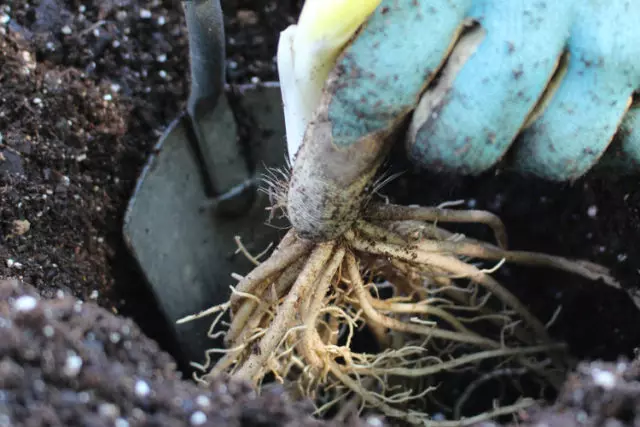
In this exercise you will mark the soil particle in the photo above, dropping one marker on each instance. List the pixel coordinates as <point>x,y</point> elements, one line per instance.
<point>68,363</point>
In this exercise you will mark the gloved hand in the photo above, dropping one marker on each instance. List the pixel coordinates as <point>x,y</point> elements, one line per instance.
<point>558,75</point>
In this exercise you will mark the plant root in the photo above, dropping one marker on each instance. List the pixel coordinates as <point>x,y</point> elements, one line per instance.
<point>419,291</point>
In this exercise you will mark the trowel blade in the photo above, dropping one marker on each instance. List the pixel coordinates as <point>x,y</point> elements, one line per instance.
<point>185,251</point>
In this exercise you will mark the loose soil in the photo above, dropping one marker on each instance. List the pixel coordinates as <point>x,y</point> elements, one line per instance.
<point>86,89</point>
<point>69,363</point>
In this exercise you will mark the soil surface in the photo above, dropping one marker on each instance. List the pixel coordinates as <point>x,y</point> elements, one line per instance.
<point>65,362</point>
<point>86,89</point>
<point>69,363</point>
<point>596,394</point>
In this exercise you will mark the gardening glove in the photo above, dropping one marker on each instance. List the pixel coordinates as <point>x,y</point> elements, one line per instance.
<point>468,121</point>
<point>505,77</point>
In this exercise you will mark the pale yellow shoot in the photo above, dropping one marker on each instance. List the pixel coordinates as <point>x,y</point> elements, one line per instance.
<point>308,51</point>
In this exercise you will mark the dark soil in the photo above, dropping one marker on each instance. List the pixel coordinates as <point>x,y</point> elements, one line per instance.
<point>86,88</point>
<point>69,363</point>
<point>594,219</point>
<point>96,70</point>
<point>597,394</point>
<point>65,363</point>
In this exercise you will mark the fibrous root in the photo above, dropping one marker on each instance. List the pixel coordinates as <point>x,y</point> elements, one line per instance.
<point>419,291</point>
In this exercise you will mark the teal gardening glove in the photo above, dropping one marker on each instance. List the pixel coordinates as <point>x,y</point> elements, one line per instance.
<point>490,99</point>
<point>539,86</point>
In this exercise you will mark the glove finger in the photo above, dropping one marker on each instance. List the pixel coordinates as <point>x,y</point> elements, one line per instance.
<point>375,88</point>
<point>623,155</point>
<point>468,126</point>
<point>582,116</point>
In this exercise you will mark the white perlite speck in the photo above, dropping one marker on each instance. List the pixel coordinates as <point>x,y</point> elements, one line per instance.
<point>145,13</point>
<point>142,389</point>
<point>72,365</point>
<point>604,379</point>
<point>48,331</point>
<point>198,418</point>
<point>25,303</point>
<point>203,401</point>
<point>221,388</point>
<point>374,421</point>
<point>592,211</point>
<point>108,410</point>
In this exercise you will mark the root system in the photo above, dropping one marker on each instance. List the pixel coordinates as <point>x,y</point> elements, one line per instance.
<point>422,294</point>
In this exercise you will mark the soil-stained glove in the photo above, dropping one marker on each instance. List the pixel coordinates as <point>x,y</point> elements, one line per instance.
<point>469,122</point>
<point>559,75</point>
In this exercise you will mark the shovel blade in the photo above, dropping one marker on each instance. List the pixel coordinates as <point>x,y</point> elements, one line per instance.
<point>185,251</point>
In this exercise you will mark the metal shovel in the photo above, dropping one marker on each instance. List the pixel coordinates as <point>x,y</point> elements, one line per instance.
<point>200,188</point>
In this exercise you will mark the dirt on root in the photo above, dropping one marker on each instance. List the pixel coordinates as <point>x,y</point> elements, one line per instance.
<point>86,89</point>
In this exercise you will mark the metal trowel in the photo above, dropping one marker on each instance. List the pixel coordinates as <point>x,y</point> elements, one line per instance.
<point>199,190</point>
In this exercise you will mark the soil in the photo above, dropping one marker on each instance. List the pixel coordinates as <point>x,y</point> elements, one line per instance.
<point>66,362</point>
<point>596,394</point>
<point>595,219</point>
<point>69,363</point>
<point>87,87</point>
